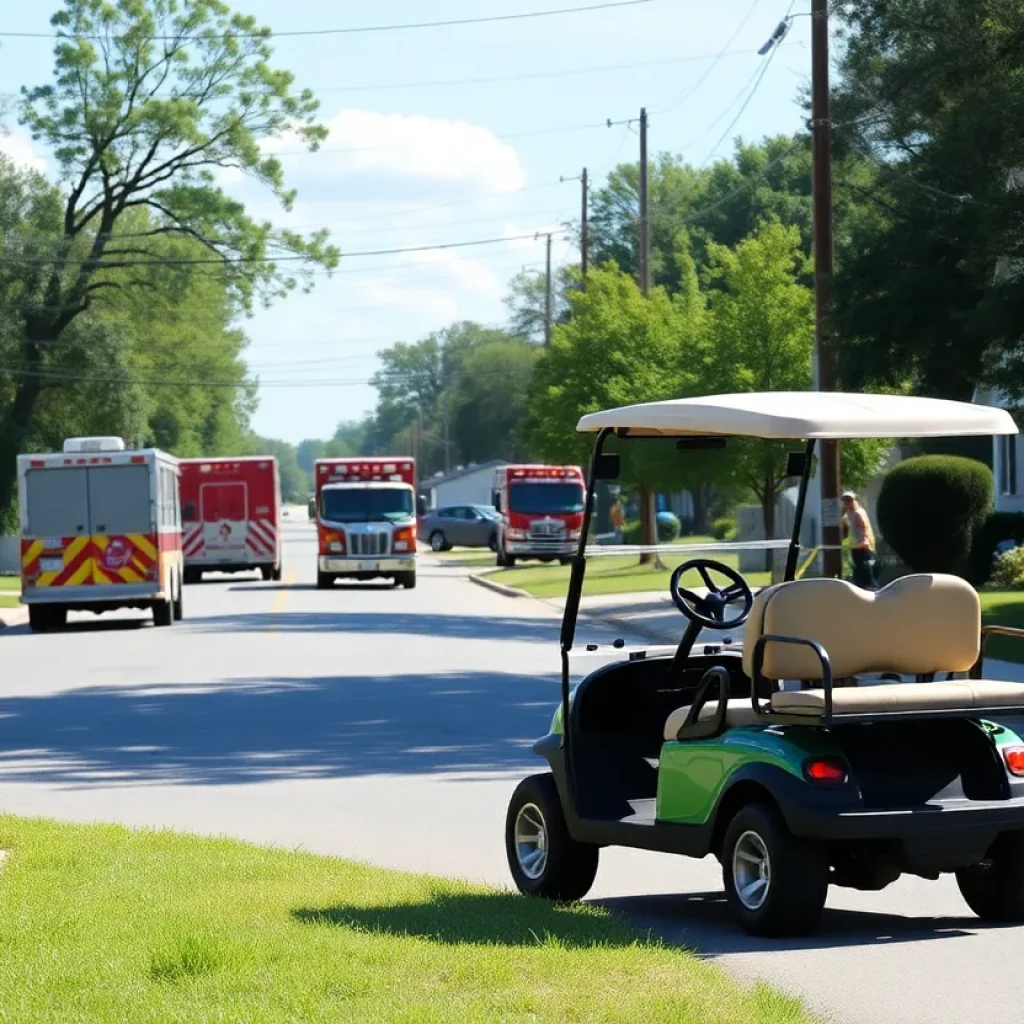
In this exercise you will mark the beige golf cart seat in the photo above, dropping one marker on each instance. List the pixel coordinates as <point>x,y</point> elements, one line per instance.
<point>924,625</point>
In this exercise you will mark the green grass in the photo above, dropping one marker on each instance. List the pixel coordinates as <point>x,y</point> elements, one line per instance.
<point>10,591</point>
<point>463,556</point>
<point>617,574</point>
<point>1003,608</point>
<point>104,925</point>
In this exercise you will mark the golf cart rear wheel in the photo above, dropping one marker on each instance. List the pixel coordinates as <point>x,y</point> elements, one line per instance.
<point>994,889</point>
<point>775,884</point>
<point>544,859</point>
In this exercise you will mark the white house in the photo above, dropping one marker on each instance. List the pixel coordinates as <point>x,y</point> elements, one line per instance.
<point>465,485</point>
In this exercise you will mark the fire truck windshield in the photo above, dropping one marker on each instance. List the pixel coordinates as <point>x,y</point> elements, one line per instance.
<point>544,499</point>
<point>366,504</point>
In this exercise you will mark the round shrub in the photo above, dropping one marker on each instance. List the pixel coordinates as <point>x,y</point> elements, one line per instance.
<point>669,527</point>
<point>724,528</point>
<point>1008,573</point>
<point>998,531</point>
<point>930,508</point>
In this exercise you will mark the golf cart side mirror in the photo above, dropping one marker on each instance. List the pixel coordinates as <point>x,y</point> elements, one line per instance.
<point>796,464</point>
<point>607,467</point>
<point>421,505</point>
<point>496,501</point>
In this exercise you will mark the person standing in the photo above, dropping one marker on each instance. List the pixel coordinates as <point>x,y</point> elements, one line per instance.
<point>618,518</point>
<point>857,526</point>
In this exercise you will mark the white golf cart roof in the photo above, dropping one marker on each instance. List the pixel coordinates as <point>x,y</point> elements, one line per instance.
<point>791,415</point>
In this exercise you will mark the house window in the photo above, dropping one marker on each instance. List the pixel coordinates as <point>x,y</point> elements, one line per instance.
<point>1008,464</point>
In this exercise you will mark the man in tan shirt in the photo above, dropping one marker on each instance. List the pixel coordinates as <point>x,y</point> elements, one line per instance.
<point>857,526</point>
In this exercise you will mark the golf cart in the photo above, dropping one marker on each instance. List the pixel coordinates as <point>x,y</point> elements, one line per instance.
<point>848,739</point>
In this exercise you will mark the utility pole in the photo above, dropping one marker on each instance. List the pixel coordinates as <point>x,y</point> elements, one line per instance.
<point>647,508</point>
<point>547,298</point>
<point>824,345</point>
<point>644,256</point>
<point>584,223</point>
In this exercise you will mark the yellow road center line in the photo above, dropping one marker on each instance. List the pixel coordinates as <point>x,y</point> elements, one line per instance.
<point>282,596</point>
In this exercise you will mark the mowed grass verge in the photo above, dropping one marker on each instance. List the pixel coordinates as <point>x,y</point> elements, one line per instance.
<point>619,574</point>
<point>1003,608</point>
<point>10,591</point>
<point>101,924</point>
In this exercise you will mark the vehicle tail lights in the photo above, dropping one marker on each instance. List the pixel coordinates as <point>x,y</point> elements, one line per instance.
<point>825,770</point>
<point>1014,758</point>
<point>405,539</point>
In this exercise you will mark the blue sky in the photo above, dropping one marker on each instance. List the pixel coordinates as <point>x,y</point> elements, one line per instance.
<point>410,164</point>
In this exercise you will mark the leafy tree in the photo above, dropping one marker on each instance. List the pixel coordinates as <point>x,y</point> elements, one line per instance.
<point>931,94</point>
<point>308,452</point>
<point>617,349</point>
<point>150,99</point>
<point>763,326</point>
<point>527,302</point>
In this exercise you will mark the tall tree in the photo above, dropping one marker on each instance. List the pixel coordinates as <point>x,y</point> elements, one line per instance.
<point>527,302</point>
<point>150,100</point>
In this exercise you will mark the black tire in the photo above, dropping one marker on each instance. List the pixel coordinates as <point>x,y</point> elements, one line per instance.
<point>407,580</point>
<point>492,542</point>
<point>510,561</point>
<point>994,889</point>
<point>267,572</point>
<point>324,581</point>
<point>179,604</point>
<point>193,575</point>
<point>438,542</point>
<point>277,574</point>
<point>42,618</point>
<point>569,867</point>
<point>163,613</point>
<point>797,875</point>
<point>565,561</point>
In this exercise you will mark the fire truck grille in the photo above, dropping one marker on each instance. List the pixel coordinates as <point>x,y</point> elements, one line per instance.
<point>547,531</point>
<point>368,543</point>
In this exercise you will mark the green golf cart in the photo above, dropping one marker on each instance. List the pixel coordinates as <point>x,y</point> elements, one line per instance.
<point>849,738</point>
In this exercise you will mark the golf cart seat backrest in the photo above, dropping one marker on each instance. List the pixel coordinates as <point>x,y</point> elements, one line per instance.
<point>917,625</point>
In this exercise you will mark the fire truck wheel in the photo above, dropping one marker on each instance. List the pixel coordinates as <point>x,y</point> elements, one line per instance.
<point>408,580</point>
<point>510,562</point>
<point>42,618</point>
<point>179,604</point>
<point>163,613</point>
<point>267,572</point>
<point>324,581</point>
<point>278,573</point>
<point>193,576</point>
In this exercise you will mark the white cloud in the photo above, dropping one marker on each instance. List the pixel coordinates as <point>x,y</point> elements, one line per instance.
<point>20,150</point>
<point>413,146</point>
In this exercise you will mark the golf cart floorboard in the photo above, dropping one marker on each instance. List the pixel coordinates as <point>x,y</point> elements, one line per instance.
<point>643,813</point>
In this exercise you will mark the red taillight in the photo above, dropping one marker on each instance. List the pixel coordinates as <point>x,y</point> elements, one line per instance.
<point>825,769</point>
<point>1014,758</point>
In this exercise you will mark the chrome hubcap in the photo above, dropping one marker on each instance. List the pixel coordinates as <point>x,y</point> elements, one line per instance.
<point>751,870</point>
<point>531,841</point>
<point>437,542</point>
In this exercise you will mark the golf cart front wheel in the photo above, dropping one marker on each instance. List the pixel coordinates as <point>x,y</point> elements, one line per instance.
<point>994,889</point>
<point>775,884</point>
<point>544,859</point>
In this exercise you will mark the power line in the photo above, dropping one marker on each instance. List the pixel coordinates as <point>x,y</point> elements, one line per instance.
<point>244,260</point>
<point>351,30</point>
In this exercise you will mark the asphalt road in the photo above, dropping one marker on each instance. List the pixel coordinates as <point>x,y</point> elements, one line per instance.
<point>391,726</point>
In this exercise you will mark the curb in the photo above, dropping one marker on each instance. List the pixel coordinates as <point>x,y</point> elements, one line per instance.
<point>499,588</point>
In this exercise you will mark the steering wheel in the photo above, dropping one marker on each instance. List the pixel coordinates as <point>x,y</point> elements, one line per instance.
<point>710,611</point>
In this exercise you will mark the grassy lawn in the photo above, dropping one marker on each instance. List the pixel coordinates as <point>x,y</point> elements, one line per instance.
<point>10,591</point>
<point>463,556</point>
<point>617,574</point>
<point>100,924</point>
<point>1003,608</point>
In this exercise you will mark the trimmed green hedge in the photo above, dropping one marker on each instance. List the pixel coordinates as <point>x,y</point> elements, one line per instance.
<point>930,509</point>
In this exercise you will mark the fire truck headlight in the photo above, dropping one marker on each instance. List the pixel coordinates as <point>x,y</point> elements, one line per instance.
<point>337,547</point>
<point>574,535</point>
<point>401,545</point>
<point>514,534</point>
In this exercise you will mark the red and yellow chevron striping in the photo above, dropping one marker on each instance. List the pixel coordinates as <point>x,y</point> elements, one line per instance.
<point>89,561</point>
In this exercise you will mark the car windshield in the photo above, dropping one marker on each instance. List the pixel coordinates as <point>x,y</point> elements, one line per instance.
<point>546,499</point>
<point>363,505</point>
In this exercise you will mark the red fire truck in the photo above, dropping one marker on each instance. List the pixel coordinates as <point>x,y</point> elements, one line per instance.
<point>231,508</point>
<point>100,529</point>
<point>541,512</point>
<point>366,519</point>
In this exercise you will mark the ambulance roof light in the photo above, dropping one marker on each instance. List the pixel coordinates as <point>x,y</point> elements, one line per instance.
<point>93,444</point>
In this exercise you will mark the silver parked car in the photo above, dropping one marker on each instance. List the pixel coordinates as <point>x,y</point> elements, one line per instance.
<point>466,526</point>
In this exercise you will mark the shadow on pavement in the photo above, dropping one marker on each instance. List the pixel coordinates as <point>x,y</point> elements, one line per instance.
<point>478,919</point>
<point>702,920</point>
<point>345,620</point>
<point>260,729</point>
